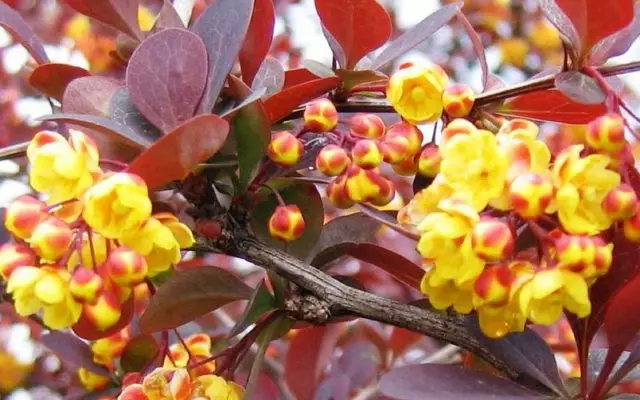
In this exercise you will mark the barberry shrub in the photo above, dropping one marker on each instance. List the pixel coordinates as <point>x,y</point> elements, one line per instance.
<point>468,223</point>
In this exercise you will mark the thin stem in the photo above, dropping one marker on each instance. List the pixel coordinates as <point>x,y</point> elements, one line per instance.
<point>275,193</point>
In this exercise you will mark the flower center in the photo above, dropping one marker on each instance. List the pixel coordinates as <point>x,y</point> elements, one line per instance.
<point>418,94</point>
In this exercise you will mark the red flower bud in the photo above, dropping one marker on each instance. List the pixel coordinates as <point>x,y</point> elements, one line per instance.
<point>286,223</point>
<point>23,215</point>
<point>606,133</point>
<point>458,100</point>
<point>401,142</point>
<point>285,149</point>
<point>51,238</point>
<point>366,153</point>
<point>332,160</point>
<point>429,161</point>
<point>492,239</point>
<point>13,256</point>
<point>620,203</point>
<point>368,126</point>
<point>337,193</point>
<point>320,116</point>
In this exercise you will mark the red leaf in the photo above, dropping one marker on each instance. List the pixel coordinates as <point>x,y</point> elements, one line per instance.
<point>21,32</point>
<point>89,95</point>
<point>309,351</point>
<point>120,14</point>
<point>551,105</point>
<point>258,40</point>
<point>402,340</point>
<point>167,75</point>
<point>282,103</point>
<point>175,155</point>
<point>359,26</point>
<point>85,330</point>
<point>298,76</point>
<point>52,79</point>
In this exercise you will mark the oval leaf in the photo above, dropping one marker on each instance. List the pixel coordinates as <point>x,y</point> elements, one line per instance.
<point>282,103</point>
<point>175,155</point>
<point>296,76</point>
<point>22,32</point>
<point>190,294</point>
<point>270,76</point>
<point>579,87</point>
<point>52,79</point>
<point>359,26</point>
<point>258,40</point>
<point>123,111</point>
<point>354,228</point>
<point>120,14</point>
<point>166,76</point>
<point>138,352</point>
<point>72,350</point>
<point>222,28</point>
<point>89,95</point>
<point>618,43</point>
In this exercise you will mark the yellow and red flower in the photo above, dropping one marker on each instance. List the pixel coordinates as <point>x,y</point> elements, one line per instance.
<point>286,223</point>
<point>23,216</point>
<point>458,100</point>
<point>320,116</point>
<point>368,126</point>
<point>285,149</point>
<point>332,160</point>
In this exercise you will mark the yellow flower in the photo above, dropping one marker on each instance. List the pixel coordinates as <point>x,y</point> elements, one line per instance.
<point>474,166</point>
<point>44,288</point>
<point>12,372</point>
<point>416,93</point>
<point>92,381</point>
<point>424,203</point>
<point>62,169</point>
<point>212,387</point>
<point>444,293</point>
<point>582,185</point>
<point>159,240</point>
<point>105,350</point>
<point>117,205</point>
<point>198,346</point>
<point>146,19</point>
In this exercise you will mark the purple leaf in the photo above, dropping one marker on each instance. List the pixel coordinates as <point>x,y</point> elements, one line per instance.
<point>359,362</point>
<point>579,87</point>
<point>335,387</point>
<point>222,27</point>
<point>560,20</point>
<point>270,76</point>
<point>618,43</point>
<point>72,350</point>
<point>448,382</point>
<point>52,79</point>
<point>416,35</point>
<point>478,47</point>
<point>336,49</point>
<point>21,32</point>
<point>120,14</point>
<point>89,95</point>
<point>123,111</point>
<point>166,77</point>
<point>168,17</point>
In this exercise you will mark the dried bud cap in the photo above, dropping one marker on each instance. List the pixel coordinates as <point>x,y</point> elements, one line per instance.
<point>402,141</point>
<point>126,267</point>
<point>631,228</point>
<point>458,126</point>
<point>285,149</point>
<point>320,116</point>
<point>367,153</point>
<point>429,161</point>
<point>286,223</point>
<point>85,285</point>
<point>620,203</point>
<point>492,239</point>
<point>13,256</point>
<point>368,126</point>
<point>51,239</point>
<point>493,284</point>
<point>337,193</point>
<point>530,194</point>
<point>408,167</point>
<point>23,215</point>
<point>104,313</point>
<point>332,160</point>
<point>606,133</point>
<point>458,100</point>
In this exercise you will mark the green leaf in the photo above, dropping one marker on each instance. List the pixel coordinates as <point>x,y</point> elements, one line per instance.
<point>260,303</point>
<point>350,79</point>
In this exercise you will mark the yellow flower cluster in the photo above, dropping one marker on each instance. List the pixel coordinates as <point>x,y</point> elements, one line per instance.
<point>492,187</point>
<point>79,254</point>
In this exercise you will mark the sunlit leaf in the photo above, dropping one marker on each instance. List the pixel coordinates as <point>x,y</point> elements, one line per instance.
<point>258,40</point>
<point>22,33</point>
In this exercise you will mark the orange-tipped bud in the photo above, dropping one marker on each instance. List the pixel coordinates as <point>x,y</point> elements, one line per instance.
<point>429,161</point>
<point>367,153</point>
<point>401,142</point>
<point>492,239</point>
<point>337,193</point>
<point>620,203</point>
<point>408,167</point>
<point>458,126</point>
<point>23,215</point>
<point>51,238</point>
<point>126,267</point>
<point>368,126</point>
<point>320,116</point>
<point>386,194</point>
<point>332,160</point>
<point>13,256</point>
<point>631,228</point>
<point>458,100</point>
<point>493,284</point>
<point>590,256</point>
<point>85,285</point>
<point>285,149</point>
<point>530,194</point>
<point>92,381</point>
<point>364,185</point>
<point>606,133</point>
<point>104,312</point>
<point>286,223</point>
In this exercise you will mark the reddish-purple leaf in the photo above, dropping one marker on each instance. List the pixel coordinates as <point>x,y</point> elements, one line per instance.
<point>579,87</point>
<point>190,294</point>
<point>309,351</point>
<point>416,35</point>
<point>448,382</point>
<point>618,43</point>
<point>166,77</point>
<point>555,15</point>
<point>258,40</point>
<point>282,103</point>
<point>478,47</point>
<point>168,17</point>
<point>22,32</point>
<point>270,76</point>
<point>297,76</point>
<point>175,155</point>
<point>123,111</point>
<point>551,105</point>
<point>52,79</point>
<point>353,228</point>
<point>72,350</point>
<point>88,331</point>
<point>359,26</point>
<point>138,353</point>
<point>120,14</point>
<point>222,27</point>
<point>89,95</point>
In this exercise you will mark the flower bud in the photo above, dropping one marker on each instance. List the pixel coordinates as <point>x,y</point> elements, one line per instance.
<point>85,285</point>
<point>492,239</point>
<point>92,381</point>
<point>493,284</point>
<point>519,127</point>
<point>606,133</point>
<point>386,193</point>
<point>332,160</point>
<point>458,126</point>
<point>286,223</point>
<point>126,267</point>
<point>104,313</point>
<point>51,239</point>
<point>429,161</point>
<point>367,154</point>
<point>631,228</point>
<point>285,149</point>
<point>368,126</point>
<point>365,185</point>
<point>23,215</point>
<point>320,116</point>
<point>401,142</point>
<point>590,256</point>
<point>13,256</point>
<point>337,194</point>
<point>530,194</point>
<point>620,203</point>
<point>407,167</point>
<point>458,100</point>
